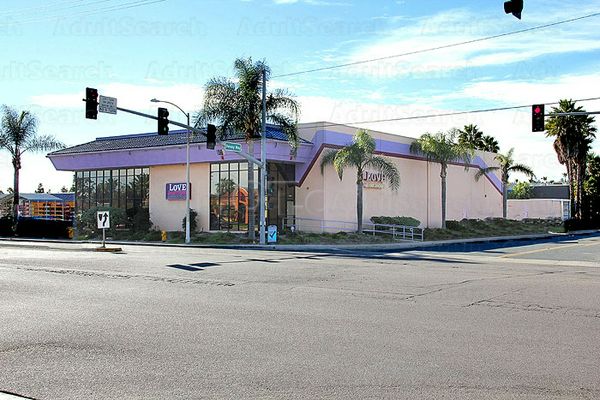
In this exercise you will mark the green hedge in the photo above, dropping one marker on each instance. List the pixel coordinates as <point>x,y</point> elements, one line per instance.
<point>406,221</point>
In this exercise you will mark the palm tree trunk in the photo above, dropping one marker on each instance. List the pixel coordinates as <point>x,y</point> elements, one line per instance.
<point>359,204</point>
<point>504,199</point>
<point>251,203</point>
<point>571,191</point>
<point>443,175</point>
<point>16,192</point>
<point>580,193</point>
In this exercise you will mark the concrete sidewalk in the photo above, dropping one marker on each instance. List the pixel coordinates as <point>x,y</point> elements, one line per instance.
<point>324,248</point>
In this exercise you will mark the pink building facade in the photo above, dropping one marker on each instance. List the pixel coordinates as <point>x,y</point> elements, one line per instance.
<point>297,187</point>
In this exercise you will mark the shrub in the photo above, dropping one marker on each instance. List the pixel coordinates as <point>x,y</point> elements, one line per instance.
<point>87,224</point>
<point>521,190</point>
<point>454,225</point>
<point>193,222</point>
<point>43,228</point>
<point>141,220</point>
<point>6,226</point>
<point>580,225</point>
<point>406,221</point>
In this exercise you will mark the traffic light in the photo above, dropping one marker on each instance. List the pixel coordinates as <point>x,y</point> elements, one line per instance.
<point>537,118</point>
<point>163,121</point>
<point>514,7</point>
<point>211,136</point>
<point>91,103</point>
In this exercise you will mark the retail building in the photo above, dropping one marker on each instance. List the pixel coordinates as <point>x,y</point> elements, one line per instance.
<point>147,171</point>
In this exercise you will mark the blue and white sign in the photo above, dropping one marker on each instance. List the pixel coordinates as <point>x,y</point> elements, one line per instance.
<point>272,234</point>
<point>176,191</point>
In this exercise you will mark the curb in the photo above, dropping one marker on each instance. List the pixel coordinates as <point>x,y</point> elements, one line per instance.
<point>323,248</point>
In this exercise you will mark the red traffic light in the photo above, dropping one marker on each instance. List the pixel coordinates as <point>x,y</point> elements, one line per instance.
<point>537,118</point>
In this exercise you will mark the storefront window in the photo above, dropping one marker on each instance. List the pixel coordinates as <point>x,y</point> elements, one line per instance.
<point>119,188</point>
<point>229,195</point>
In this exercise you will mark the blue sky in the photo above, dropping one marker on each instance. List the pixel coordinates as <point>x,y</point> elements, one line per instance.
<point>168,49</point>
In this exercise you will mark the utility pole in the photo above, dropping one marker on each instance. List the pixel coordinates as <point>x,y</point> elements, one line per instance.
<point>263,159</point>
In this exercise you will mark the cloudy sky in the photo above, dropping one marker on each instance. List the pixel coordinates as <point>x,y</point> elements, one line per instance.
<point>139,49</point>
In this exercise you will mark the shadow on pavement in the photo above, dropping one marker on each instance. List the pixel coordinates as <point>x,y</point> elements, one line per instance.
<point>489,247</point>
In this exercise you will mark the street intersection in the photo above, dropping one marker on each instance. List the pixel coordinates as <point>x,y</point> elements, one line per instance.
<point>493,321</point>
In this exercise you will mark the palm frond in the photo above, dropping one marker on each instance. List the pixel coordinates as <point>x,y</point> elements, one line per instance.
<point>484,171</point>
<point>343,158</point>
<point>364,142</point>
<point>42,143</point>
<point>327,159</point>
<point>522,169</point>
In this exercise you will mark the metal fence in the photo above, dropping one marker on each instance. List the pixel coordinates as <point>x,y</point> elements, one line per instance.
<point>398,232</point>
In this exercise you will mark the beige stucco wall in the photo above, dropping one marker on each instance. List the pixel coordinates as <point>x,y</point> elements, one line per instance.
<point>535,208</point>
<point>168,215</point>
<point>419,195</point>
<point>324,196</point>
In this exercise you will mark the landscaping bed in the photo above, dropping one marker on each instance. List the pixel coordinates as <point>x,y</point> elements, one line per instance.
<point>464,229</point>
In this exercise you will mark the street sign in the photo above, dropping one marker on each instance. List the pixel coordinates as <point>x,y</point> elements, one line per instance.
<point>236,147</point>
<point>272,234</point>
<point>107,105</point>
<point>103,218</point>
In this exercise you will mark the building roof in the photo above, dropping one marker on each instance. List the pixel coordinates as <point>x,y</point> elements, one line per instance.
<point>550,191</point>
<point>65,196</point>
<point>39,197</point>
<point>153,139</point>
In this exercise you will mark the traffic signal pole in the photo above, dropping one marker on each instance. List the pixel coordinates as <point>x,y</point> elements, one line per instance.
<point>191,128</point>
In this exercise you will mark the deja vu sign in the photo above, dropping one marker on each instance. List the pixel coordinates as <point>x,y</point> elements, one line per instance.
<point>176,191</point>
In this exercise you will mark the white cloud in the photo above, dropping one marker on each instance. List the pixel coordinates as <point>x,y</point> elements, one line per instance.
<point>511,128</point>
<point>461,26</point>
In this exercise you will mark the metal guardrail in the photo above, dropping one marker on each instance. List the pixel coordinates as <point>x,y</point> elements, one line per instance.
<point>398,232</point>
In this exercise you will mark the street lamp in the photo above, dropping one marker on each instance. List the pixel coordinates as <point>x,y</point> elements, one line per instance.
<point>187,170</point>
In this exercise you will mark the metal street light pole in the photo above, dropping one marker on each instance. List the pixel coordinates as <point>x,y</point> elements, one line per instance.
<point>263,160</point>
<point>187,170</point>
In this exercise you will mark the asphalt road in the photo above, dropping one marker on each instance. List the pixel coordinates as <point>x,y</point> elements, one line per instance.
<point>507,321</point>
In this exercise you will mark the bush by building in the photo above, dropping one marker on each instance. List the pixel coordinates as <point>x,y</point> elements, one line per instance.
<point>405,221</point>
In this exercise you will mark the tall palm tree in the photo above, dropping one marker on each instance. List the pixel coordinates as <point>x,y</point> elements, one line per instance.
<point>236,107</point>
<point>471,136</point>
<point>360,155</point>
<point>573,136</point>
<point>442,148</point>
<point>18,135</point>
<point>490,144</point>
<point>507,166</point>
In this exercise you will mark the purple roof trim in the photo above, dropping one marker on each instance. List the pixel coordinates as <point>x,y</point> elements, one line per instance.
<point>305,159</point>
<point>143,157</point>
<point>332,139</point>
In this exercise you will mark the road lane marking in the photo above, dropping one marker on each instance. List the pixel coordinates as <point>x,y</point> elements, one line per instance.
<point>559,247</point>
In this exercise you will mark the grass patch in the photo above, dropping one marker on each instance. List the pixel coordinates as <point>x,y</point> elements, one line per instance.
<point>471,228</point>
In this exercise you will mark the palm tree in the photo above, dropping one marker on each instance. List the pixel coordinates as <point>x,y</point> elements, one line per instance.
<point>471,136</point>
<point>360,154</point>
<point>573,136</point>
<point>507,166</point>
<point>443,149</point>
<point>490,144</point>
<point>236,107</point>
<point>18,135</point>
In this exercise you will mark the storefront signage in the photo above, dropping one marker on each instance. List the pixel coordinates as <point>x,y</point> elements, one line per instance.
<point>176,191</point>
<point>373,180</point>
